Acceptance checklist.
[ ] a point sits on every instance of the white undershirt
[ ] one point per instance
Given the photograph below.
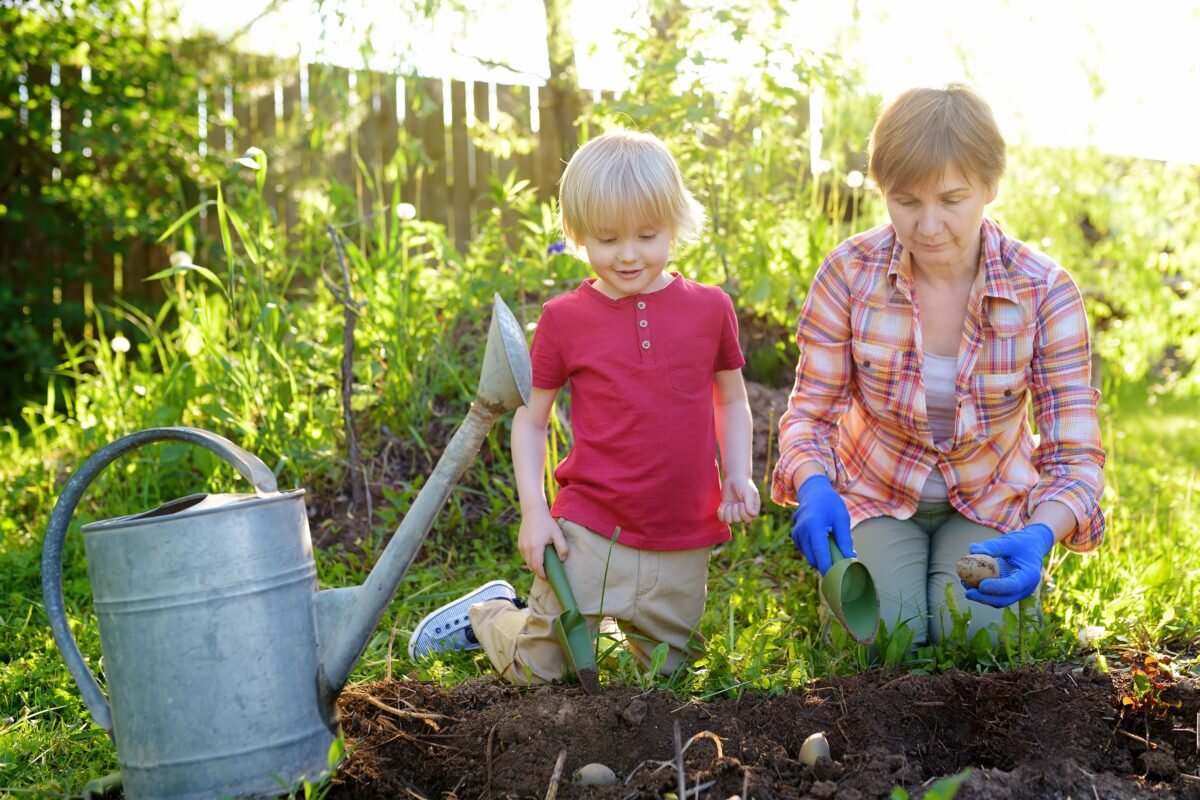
(940, 405)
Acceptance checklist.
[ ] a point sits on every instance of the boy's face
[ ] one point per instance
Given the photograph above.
(629, 262)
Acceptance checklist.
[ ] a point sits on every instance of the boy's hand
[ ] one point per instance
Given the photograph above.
(739, 500)
(538, 530)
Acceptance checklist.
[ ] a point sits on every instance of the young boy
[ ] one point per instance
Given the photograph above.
(653, 363)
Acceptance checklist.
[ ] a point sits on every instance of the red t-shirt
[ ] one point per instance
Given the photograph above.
(641, 386)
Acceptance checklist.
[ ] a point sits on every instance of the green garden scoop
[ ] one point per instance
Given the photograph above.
(570, 626)
(849, 591)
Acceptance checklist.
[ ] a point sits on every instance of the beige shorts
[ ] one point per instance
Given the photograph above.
(652, 596)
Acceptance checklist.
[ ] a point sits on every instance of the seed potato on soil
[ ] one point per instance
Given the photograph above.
(1051, 731)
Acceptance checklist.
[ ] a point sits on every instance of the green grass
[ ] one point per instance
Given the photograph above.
(761, 622)
(248, 344)
(256, 358)
(761, 626)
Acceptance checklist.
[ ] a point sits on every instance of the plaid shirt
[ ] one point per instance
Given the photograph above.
(858, 405)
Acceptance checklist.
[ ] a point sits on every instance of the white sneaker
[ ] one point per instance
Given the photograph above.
(449, 627)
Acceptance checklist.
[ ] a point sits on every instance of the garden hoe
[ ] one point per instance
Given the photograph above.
(571, 627)
(849, 591)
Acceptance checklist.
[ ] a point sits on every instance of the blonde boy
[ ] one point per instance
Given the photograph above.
(653, 364)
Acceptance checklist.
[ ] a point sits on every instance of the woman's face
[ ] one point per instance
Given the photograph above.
(938, 223)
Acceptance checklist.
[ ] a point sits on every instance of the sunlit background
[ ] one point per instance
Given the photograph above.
(1122, 77)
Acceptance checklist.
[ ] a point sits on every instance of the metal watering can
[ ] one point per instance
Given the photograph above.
(223, 661)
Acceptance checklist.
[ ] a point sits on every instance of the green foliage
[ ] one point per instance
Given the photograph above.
(942, 789)
(1126, 230)
(123, 157)
(320, 787)
(775, 208)
(247, 341)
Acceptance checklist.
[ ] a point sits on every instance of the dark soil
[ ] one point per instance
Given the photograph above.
(1039, 732)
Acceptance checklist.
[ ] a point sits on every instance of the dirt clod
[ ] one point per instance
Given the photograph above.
(634, 713)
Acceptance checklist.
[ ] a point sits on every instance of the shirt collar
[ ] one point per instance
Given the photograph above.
(996, 282)
(1000, 301)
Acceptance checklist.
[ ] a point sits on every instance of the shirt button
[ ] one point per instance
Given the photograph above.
(1008, 392)
(642, 323)
(645, 344)
(641, 304)
(866, 365)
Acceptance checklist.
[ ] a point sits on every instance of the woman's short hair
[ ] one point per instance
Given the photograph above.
(923, 131)
(619, 181)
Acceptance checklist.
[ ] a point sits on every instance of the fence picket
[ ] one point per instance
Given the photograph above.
(434, 195)
(460, 168)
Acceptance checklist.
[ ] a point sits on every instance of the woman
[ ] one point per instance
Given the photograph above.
(922, 343)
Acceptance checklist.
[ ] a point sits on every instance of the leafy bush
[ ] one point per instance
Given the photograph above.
(101, 145)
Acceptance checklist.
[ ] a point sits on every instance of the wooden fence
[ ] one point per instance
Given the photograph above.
(466, 131)
(320, 124)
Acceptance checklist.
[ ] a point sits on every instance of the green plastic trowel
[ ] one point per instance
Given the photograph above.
(570, 626)
(849, 591)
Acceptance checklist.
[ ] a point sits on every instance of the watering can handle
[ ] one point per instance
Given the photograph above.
(250, 467)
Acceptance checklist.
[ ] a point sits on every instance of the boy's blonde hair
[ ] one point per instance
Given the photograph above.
(621, 180)
(923, 131)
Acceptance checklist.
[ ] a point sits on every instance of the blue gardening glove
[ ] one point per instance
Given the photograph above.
(821, 512)
(1019, 555)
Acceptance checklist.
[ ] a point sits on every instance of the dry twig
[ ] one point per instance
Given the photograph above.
(552, 789)
(345, 296)
(429, 717)
(706, 735)
(905, 677)
(487, 759)
(1149, 744)
(387, 664)
(679, 763)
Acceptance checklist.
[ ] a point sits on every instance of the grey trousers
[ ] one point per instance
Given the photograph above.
(912, 562)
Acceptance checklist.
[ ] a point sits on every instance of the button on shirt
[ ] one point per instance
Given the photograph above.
(858, 408)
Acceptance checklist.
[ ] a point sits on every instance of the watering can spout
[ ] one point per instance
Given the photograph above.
(346, 618)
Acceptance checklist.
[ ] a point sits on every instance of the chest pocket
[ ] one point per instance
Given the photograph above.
(690, 364)
(876, 375)
(999, 400)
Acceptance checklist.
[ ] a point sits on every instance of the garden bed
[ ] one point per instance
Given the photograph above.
(1045, 731)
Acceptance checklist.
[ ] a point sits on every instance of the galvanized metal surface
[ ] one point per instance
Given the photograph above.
(223, 661)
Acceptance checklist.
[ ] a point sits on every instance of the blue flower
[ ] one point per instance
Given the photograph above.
(556, 248)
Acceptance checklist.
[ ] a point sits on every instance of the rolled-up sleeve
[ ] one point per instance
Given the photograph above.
(1069, 456)
(808, 430)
